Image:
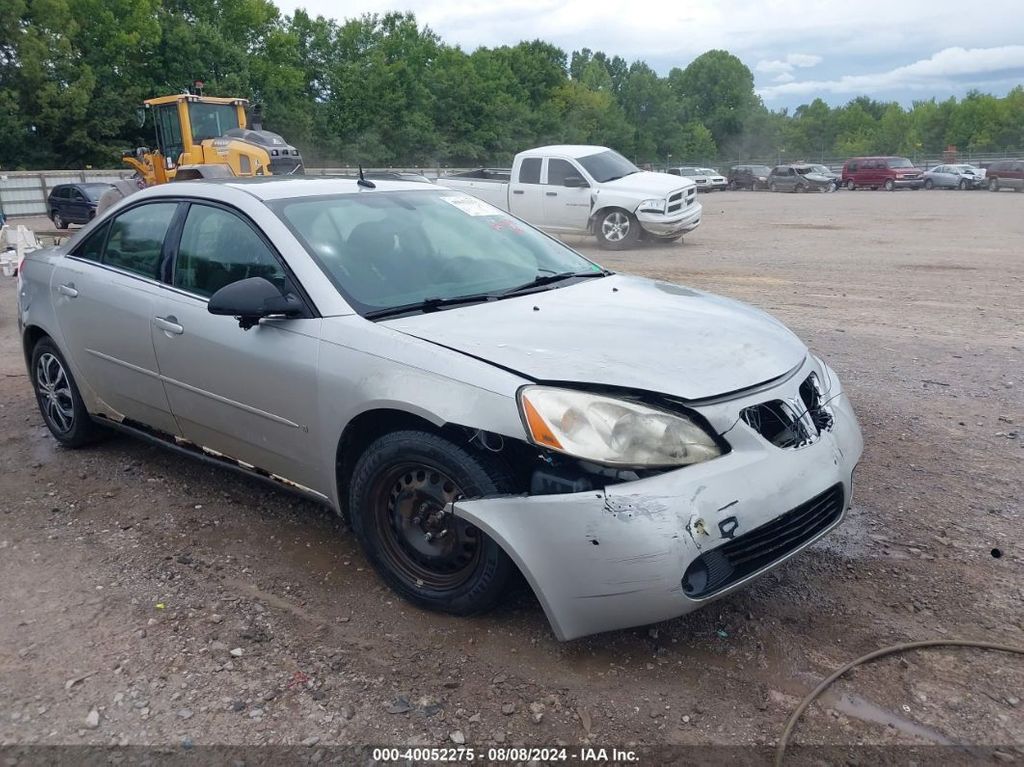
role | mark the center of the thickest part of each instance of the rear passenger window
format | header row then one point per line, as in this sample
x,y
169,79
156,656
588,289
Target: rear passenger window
x,y
92,248
137,238
218,248
529,171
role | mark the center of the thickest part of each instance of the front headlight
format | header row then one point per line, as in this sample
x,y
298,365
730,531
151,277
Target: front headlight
x,y
612,431
652,206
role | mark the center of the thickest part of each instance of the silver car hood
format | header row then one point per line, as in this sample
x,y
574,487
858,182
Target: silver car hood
x,y
620,331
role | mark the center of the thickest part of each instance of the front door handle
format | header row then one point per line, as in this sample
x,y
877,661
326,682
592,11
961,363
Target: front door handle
x,y
518,191
551,194
169,324
67,289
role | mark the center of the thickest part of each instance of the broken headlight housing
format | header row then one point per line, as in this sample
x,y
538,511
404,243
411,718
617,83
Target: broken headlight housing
x,y
651,206
612,431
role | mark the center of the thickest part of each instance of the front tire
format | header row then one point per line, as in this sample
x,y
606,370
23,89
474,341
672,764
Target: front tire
x,y
929,184
772,187
617,229
59,400
400,500
890,185
851,185
59,222
993,185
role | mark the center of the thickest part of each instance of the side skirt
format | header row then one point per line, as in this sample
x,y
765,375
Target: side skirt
x,y
185,447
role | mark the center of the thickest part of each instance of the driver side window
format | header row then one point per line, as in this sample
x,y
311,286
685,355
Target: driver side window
x,y
218,248
559,171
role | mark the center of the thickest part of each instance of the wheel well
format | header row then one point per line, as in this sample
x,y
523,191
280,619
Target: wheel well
x,y
32,335
518,457
598,213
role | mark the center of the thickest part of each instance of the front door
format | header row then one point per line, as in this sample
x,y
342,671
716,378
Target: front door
x,y
103,294
566,203
248,394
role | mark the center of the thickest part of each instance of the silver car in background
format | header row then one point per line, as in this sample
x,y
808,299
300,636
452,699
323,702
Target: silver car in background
x,y
706,179
954,177
474,395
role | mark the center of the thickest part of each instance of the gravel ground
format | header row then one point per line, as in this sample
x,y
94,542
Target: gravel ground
x,y
148,599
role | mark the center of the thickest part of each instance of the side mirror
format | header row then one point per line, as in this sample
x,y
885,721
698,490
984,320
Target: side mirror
x,y
251,300
575,182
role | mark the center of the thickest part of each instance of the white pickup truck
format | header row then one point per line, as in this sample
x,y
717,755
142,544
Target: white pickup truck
x,y
573,189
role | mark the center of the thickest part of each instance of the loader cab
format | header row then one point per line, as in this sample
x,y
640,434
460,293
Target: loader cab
x,y
183,122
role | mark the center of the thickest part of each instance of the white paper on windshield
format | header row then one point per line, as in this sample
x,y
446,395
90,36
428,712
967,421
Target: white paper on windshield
x,y
472,206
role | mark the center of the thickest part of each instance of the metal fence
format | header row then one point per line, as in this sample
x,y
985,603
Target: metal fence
x,y
24,193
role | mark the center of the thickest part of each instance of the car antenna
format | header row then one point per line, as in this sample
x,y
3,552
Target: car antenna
x,y
363,182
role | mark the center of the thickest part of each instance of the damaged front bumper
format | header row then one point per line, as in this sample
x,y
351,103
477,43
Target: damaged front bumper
x,y
671,224
645,551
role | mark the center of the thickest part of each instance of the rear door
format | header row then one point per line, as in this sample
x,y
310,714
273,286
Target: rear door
x,y
525,194
566,202
248,394
103,294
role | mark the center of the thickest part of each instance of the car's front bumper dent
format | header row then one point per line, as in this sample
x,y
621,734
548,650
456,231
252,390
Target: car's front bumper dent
x,y
661,225
615,558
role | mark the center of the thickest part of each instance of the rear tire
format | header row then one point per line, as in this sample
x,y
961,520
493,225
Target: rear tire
x,y
398,504
800,188
616,229
59,400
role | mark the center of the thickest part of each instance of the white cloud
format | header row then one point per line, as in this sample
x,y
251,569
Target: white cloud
x,y
940,71
784,77
786,65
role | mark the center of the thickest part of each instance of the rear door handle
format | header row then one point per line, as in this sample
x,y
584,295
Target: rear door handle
x,y
169,324
68,289
551,194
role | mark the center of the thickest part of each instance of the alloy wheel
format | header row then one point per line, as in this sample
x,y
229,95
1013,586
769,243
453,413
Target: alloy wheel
x,y
615,226
54,391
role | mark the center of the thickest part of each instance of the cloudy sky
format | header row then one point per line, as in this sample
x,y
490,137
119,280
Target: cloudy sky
x,y
797,49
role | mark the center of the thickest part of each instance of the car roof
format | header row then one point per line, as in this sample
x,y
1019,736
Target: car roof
x,y
569,150
281,187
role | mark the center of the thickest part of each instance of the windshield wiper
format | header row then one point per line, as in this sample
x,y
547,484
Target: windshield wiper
x,y
547,279
428,305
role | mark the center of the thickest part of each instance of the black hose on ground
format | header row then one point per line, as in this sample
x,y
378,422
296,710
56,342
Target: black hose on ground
x,y
780,750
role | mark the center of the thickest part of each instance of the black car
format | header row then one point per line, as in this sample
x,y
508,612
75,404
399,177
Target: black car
x,y
74,203
749,177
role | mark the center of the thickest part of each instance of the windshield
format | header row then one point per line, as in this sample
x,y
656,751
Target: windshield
x,y
94,191
708,171
900,162
968,168
607,166
389,249
211,120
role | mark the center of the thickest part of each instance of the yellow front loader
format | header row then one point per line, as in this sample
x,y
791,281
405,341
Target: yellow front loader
x,y
201,136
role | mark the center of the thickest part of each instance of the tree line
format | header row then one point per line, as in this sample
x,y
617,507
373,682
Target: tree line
x,y
384,90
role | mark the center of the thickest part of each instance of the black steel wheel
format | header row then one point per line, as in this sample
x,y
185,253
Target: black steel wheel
x,y
401,497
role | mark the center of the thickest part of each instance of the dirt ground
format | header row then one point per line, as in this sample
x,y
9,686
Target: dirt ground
x,y
148,599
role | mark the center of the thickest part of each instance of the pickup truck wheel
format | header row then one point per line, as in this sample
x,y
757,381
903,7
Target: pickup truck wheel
x,y
400,501
617,230
58,398
890,185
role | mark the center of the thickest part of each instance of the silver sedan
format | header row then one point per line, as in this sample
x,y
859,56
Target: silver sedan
x,y
954,177
475,396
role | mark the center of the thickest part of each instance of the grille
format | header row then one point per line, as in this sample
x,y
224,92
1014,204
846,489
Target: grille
x,y
287,166
674,202
793,423
745,555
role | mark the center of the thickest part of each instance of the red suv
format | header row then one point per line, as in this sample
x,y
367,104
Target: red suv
x,y
888,173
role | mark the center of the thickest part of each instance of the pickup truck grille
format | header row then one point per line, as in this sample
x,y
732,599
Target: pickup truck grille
x,y
680,199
